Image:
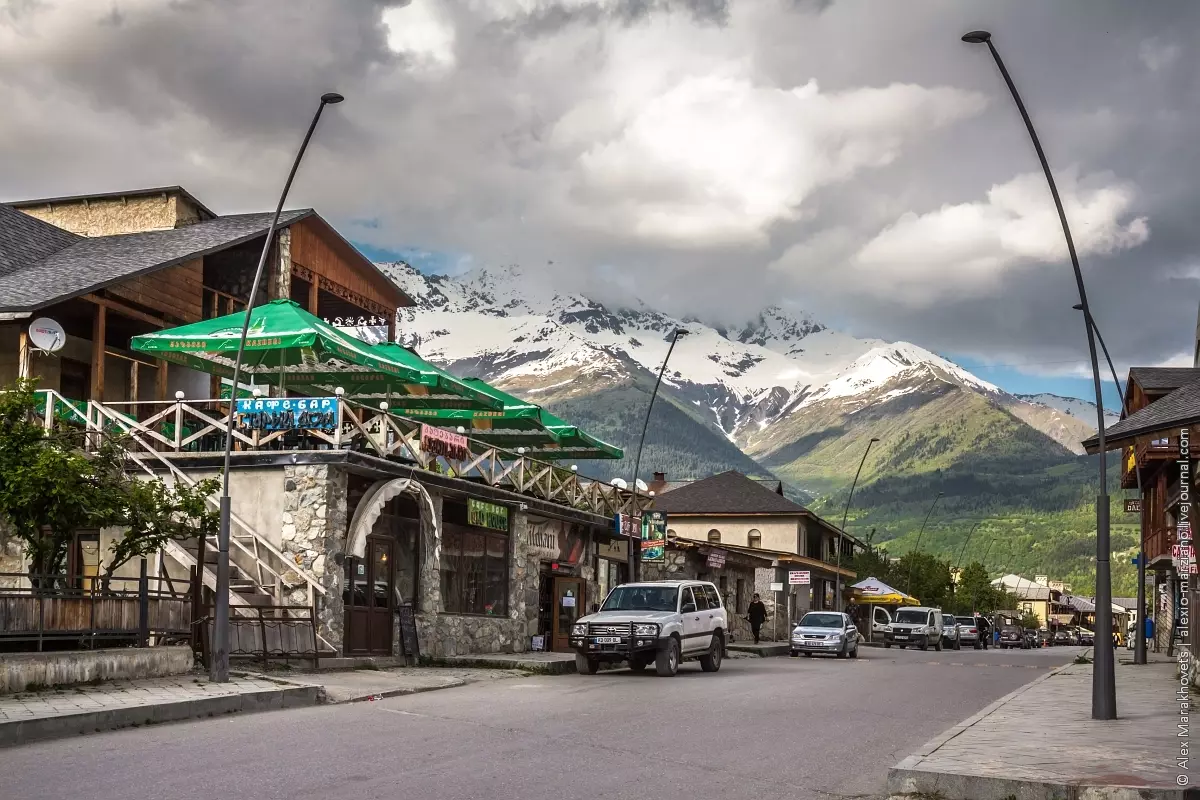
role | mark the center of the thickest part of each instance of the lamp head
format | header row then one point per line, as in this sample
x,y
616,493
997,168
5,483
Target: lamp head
x,y
331,98
977,37
874,439
1078,306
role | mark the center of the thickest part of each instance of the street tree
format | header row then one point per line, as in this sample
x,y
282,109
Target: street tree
x,y
51,487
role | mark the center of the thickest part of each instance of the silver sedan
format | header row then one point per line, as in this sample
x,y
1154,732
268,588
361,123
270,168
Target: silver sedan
x,y
826,632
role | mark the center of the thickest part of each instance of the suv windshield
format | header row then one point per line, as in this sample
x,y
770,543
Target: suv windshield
x,y
822,620
910,617
968,621
948,620
642,598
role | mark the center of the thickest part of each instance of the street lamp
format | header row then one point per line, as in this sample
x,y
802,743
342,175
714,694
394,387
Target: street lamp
x,y
634,558
838,600
1104,690
963,552
912,561
219,668
1139,643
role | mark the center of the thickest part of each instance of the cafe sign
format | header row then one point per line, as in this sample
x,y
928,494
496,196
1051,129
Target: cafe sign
x,y
441,442
288,413
487,515
1133,506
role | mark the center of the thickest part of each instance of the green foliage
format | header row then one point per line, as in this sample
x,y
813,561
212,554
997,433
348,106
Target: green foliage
x,y
975,592
1030,620
50,487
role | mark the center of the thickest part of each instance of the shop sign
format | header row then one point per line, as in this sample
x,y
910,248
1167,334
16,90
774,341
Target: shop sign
x,y
614,549
441,442
776,587
799,577
1133,506
654,537
716,559
487,515
555,540
288,413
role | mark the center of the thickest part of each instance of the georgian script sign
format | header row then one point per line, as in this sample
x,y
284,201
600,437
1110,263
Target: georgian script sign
x,y
487,515
288,413
716,559
448,444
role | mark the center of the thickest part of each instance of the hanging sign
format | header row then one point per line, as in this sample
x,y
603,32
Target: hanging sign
x,y
288,413
487,515
1133,506
654,537
441,442
799,577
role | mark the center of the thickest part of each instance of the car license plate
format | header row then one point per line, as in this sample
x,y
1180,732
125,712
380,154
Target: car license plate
x,y
901,635
608,640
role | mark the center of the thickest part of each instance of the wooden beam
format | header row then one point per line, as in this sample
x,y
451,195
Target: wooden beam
x,y
24,356
99,322
160,381
133,381
313,294
125,310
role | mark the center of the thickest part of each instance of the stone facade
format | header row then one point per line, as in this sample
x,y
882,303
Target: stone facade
x,y
314,536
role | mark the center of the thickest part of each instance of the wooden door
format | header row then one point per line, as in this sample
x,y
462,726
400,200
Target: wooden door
x,y
568,606
368,597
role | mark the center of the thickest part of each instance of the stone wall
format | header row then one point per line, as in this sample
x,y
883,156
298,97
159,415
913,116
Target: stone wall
x,y
313,535
21,672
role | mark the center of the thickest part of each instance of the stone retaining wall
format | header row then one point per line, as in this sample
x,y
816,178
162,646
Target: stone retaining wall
x,y
21,672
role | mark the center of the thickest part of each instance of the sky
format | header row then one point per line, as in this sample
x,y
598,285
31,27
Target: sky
x,y
854,158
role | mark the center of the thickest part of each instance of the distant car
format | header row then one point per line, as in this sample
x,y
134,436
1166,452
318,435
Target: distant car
x,y
1043,638
971,632
1086,637
919,626
825,632
951,635
1061,638
1031,637
1012,636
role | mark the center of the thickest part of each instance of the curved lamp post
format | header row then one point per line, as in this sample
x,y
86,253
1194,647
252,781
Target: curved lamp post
x,y
635,558
219,668
963,552
1104,690
1139,643
917,548
838,598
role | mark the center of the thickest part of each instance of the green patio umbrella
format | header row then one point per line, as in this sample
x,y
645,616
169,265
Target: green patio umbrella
x,y
291,347
431,375
520,423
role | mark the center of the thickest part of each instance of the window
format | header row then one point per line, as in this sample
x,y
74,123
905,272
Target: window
x,y
714,599
714,535
701,598
754,537
474,565
686,597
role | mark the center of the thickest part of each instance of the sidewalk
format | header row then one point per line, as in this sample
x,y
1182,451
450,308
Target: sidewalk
x,y
367,684
1040,742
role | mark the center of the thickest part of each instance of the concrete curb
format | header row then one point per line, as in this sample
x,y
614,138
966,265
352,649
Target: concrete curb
x,y
762,650
907,779
563,667
454,684
18,732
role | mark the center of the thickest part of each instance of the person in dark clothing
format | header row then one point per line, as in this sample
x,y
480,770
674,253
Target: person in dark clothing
x,y
757,614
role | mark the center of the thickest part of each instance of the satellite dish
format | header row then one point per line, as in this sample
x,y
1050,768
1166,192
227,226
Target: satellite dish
x,y
47,335
641,485
619,483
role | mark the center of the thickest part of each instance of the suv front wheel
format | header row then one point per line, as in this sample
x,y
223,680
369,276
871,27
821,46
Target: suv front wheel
x,y
666,660
711,661
585,665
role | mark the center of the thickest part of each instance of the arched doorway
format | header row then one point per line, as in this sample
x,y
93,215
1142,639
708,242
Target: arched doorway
x,y
382,566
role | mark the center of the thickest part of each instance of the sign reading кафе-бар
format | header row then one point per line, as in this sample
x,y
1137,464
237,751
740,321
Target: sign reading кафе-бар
x,y
487,515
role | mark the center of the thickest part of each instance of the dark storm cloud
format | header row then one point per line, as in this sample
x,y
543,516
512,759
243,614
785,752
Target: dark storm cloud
x,y
715,155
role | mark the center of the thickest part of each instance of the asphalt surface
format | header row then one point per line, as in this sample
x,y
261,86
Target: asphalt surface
x,y
760,728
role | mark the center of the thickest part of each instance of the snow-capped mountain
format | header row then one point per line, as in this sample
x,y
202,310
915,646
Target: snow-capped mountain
x,y
509,327
1071,406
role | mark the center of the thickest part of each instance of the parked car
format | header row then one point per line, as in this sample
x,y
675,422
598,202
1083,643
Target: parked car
x,y
1012,636
919,626
1031,637
970,632
1086,637
1043,638
951,635
1061,637
880,619
825,632
664,622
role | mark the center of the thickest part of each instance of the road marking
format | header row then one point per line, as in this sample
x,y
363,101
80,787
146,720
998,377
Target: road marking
x,y
402,712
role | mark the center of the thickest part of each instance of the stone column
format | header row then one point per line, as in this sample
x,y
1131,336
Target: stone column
x,y
313,535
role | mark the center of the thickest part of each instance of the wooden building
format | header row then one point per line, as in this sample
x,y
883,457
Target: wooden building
x,y
109,267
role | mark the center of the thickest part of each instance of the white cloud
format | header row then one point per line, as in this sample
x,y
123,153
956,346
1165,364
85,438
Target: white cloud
x,y
718,157
970,248
1157,55
420,32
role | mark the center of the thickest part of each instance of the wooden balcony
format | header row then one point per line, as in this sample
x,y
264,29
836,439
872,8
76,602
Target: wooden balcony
x,y
1143,454
1158,544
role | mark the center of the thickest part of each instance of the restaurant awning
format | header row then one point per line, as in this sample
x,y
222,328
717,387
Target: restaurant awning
x,y
291,348
876,592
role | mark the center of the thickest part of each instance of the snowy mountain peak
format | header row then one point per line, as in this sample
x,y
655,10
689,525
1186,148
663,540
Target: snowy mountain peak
x,y
779,330
1082,410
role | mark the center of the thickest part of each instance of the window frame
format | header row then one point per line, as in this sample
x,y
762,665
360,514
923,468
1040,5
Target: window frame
x,y
716,540
457,605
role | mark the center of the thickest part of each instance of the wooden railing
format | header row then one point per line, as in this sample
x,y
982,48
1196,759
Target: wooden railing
x,y
164,429
1159,542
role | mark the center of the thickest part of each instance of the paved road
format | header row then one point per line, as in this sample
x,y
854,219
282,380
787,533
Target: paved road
x,y
760,728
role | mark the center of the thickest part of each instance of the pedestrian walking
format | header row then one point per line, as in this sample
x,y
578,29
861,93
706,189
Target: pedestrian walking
x,y
757,614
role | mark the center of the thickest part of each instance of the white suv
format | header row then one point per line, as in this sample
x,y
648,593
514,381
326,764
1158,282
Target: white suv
x,y
666,622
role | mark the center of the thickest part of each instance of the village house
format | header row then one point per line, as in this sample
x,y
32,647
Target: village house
x,y
402,538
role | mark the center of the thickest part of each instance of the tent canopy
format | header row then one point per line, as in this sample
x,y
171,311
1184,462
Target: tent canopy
x,y
296,350
876,592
